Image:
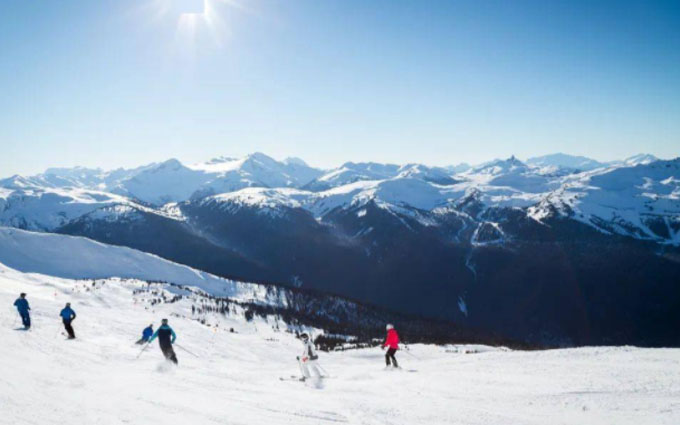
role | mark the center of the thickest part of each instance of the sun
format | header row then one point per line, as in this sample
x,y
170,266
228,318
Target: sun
x,y
196,17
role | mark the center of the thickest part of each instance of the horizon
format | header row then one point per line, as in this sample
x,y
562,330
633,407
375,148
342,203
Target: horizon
x,y
278,159
124,82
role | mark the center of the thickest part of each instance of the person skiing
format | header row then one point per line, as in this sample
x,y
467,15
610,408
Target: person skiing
x,y
166,337
68,315
146,334
308,359
392,341
22,307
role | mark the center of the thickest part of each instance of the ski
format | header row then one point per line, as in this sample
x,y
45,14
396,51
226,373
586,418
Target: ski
x,y
299,379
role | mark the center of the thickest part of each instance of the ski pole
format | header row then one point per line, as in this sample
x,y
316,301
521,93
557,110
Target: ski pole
x,y
182,348
143,349
409,353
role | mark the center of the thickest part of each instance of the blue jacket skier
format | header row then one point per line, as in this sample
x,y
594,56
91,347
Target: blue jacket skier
x,y
146,334
22,307
68,315
166,337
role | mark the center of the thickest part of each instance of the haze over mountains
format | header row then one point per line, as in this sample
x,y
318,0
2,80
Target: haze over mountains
x,y
557,249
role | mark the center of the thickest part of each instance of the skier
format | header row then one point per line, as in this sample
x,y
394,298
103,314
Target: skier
x,y
309,358
392,341
166,337
22,307
146,334
68,315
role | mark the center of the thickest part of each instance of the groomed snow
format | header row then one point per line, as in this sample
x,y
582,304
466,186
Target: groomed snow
x,y
96,379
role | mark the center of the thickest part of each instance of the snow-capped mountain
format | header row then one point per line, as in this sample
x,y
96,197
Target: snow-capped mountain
x,y
171,181
256,170
351,172
563,161
413,238
642,202
639,159
38,207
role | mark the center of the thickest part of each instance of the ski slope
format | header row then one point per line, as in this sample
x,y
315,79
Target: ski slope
x,y
81,258
96,379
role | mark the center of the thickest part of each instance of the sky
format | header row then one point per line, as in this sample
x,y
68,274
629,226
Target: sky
x,y
113,83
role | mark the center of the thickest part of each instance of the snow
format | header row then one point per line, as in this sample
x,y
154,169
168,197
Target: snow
x,y
96,379
49,208
261,197
351,172
80,258
255,170
170,181
621,198
640,159
638,197
561,160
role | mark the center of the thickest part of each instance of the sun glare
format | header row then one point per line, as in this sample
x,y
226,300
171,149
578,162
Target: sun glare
x,y
189,6
196,17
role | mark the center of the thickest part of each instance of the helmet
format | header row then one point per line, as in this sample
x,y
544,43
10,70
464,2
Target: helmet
x,y
389,326
22,295
304,336
164,321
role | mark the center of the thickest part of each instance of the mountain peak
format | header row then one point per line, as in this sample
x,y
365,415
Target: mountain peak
x,y
292,160
640,159
170,164
260,157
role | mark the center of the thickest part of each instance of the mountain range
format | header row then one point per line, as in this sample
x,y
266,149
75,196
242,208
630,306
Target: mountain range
x,y
558,250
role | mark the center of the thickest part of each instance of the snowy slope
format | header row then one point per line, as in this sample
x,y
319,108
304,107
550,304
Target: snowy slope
x,y
639,159
44,208
560,160
260,170
80,258
351,172
169,181
641,201
96,379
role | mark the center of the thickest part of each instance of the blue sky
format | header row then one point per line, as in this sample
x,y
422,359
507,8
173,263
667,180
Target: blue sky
x,y
125,82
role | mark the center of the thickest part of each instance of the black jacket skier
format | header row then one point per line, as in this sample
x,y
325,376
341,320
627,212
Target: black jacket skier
x,y
166,337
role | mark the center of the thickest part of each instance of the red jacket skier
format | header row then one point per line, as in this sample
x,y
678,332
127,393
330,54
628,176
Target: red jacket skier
x,y
392,341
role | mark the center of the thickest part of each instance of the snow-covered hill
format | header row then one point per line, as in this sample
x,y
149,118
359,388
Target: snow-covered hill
x,y
234,376
81,258
571,162
641,201
47,208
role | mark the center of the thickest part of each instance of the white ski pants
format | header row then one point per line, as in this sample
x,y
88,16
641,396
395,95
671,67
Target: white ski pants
x,y
309,365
